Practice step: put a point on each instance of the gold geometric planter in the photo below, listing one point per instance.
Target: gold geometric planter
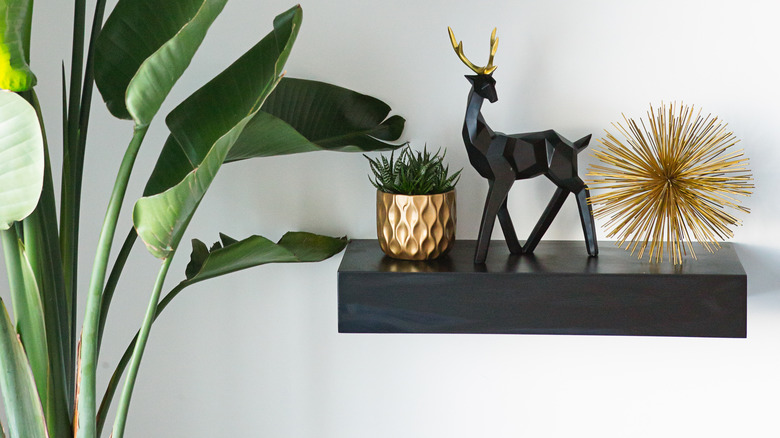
(416, 227)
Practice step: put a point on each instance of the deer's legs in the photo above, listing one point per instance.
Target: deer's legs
(496, 197)
(509, 230)
(588, 224)
(553, 207)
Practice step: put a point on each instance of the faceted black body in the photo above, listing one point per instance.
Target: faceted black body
(502, 159)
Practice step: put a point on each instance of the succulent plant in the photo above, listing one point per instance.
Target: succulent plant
(412, 173)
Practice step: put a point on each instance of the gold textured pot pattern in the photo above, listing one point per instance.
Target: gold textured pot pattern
(416, 227)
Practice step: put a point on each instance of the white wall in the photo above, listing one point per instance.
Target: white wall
(258, 353)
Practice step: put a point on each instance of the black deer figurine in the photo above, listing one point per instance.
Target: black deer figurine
(502, 159)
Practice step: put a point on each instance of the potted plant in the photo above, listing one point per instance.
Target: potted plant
(415, 204)
(48, 385)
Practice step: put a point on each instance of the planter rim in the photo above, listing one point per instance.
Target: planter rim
(402, 194)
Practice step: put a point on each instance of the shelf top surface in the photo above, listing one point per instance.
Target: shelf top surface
(550, 257)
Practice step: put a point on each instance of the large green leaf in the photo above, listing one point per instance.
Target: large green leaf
(204, 128)
(23, 407)
(224, 257)
(21, 159)
(230, 255)
(303, 115)
(15, 23)
(318, 117)
(144, 48)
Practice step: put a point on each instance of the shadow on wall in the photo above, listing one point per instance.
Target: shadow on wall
(760, 263)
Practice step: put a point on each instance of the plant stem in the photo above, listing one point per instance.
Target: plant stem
(89, 77)
(70, 190)
(75, 125)
(113, 280)
(108, 396)
(113, 384)
(138, 351)
(77, 172)
(30, 327)
(57, 402)
(89, 342)
(10, 239)
(28, 309)
(42, 244)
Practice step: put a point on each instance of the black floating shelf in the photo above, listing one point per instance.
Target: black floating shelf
(557, 290)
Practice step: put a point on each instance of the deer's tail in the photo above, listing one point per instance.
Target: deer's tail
(581, 143)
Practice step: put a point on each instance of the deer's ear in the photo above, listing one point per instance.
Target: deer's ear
(472, 78)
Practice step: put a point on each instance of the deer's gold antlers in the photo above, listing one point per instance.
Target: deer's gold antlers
(486, 70)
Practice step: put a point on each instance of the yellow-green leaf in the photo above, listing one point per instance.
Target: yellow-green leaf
(15, 22)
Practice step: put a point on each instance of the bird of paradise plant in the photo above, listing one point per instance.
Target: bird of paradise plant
(47, 365)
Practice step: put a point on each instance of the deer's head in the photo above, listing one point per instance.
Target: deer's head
(483, 82)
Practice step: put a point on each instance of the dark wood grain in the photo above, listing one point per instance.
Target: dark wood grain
(556, 290)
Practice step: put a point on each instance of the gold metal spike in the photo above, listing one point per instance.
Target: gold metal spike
(458, 47)
(669, 183)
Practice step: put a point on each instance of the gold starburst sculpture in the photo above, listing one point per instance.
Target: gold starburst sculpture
(669, 183)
